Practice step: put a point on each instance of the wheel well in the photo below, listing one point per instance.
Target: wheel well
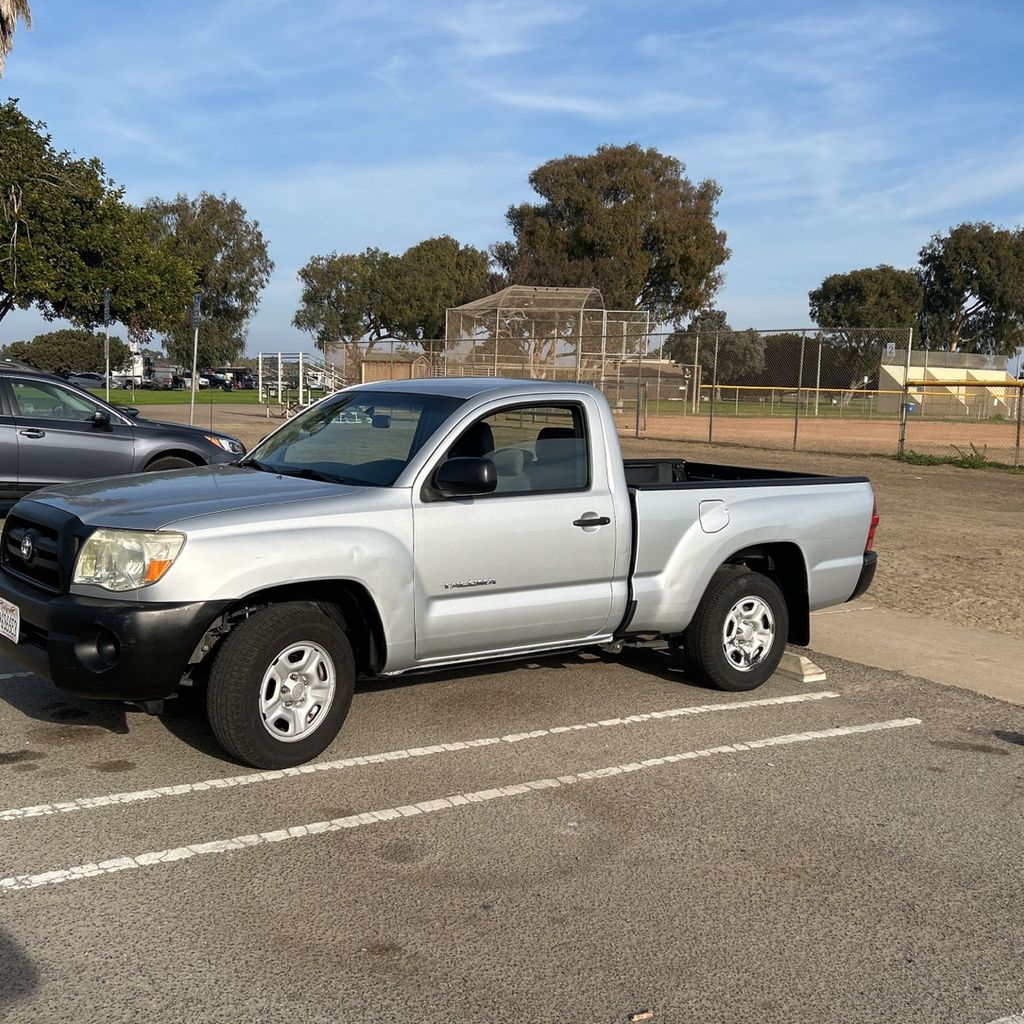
(783, 563)
(349, 603)
(176, 453)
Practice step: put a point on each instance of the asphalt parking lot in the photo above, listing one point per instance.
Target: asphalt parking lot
(575, 839)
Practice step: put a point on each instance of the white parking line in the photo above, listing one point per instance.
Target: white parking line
(88, 803)
(145, 860)
(15, 675)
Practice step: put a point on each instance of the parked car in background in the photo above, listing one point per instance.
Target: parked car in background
(90, 380)
(163, 378)
(54, 432)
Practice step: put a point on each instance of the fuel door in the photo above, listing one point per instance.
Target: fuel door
(714, 516)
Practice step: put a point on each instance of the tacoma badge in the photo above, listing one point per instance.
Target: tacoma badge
(470, 583)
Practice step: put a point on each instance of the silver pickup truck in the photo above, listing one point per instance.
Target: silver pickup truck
(403, 526)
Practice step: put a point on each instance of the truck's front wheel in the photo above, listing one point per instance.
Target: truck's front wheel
(281, 685)
(738, 634)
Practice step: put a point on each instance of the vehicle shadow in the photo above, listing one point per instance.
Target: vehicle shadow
(185, 719)
(185, 716)
(66, 718)
(19, 977)
(39, 699)
(663, 663)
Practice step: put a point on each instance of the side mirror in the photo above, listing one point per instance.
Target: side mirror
(128, 410)
(465, 477)
(381, 421)
(101, 418)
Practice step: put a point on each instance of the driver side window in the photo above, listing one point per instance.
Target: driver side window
(534, 448)
(43, 400)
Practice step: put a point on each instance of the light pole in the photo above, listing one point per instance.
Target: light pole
(195, 355)
(106, 338)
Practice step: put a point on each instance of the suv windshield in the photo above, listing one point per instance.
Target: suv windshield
(363, 437)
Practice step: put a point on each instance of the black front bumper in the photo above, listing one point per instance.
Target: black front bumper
(867, 574)
(107, 649)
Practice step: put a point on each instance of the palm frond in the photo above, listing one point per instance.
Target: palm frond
(10, 12)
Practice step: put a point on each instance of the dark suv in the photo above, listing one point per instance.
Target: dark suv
(53, 432)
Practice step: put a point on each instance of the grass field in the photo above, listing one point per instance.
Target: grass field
(783, 409)
(140, 398)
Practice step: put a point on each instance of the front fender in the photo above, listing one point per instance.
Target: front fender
(222, 564)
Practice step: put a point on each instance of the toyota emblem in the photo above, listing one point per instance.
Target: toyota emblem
(28, 548)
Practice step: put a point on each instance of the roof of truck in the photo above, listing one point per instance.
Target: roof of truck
(470, 387)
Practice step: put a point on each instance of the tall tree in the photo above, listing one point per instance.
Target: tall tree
(974, 289)
(740, 353)
(354, 300)
(430, 277)
(10, 12)
(346, 301)
(67, 235)
(69, 349)
(625, 220)
(862, 311)
(231, 266)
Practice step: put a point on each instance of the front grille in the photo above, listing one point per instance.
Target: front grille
(43, 567)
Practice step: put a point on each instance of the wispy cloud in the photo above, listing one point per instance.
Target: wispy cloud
(951, 188)
(489, 30)
(599, 108)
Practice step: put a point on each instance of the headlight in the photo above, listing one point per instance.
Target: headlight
(126, 559)
(229, 444)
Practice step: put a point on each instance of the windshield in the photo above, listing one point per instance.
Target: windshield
(365, 437)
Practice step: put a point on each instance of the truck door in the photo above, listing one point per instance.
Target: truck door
(530, 564)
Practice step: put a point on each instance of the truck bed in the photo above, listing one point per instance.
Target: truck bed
(691, 517)
(676, 474)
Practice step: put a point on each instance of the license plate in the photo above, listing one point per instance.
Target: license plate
(10, 620)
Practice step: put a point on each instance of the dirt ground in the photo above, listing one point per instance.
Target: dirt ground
(832, 434)
(950, 543)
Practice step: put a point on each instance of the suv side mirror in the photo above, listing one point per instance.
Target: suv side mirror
(464, 477)
(101, 418)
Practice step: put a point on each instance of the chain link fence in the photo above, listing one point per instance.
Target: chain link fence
(967, 422)
(849, 391)
(795, 389)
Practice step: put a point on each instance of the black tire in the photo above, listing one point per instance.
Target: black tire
(704, 650)
(237, 675)
(169, 462)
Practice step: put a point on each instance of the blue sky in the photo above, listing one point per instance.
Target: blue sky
(842, 135)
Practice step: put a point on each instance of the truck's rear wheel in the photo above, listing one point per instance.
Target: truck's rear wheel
(738, 634)
(281, 685)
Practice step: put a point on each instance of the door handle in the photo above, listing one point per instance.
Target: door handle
(592, 521)
(34, 432)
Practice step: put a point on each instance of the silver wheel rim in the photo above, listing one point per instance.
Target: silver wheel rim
(297, 691)
(748, 633)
